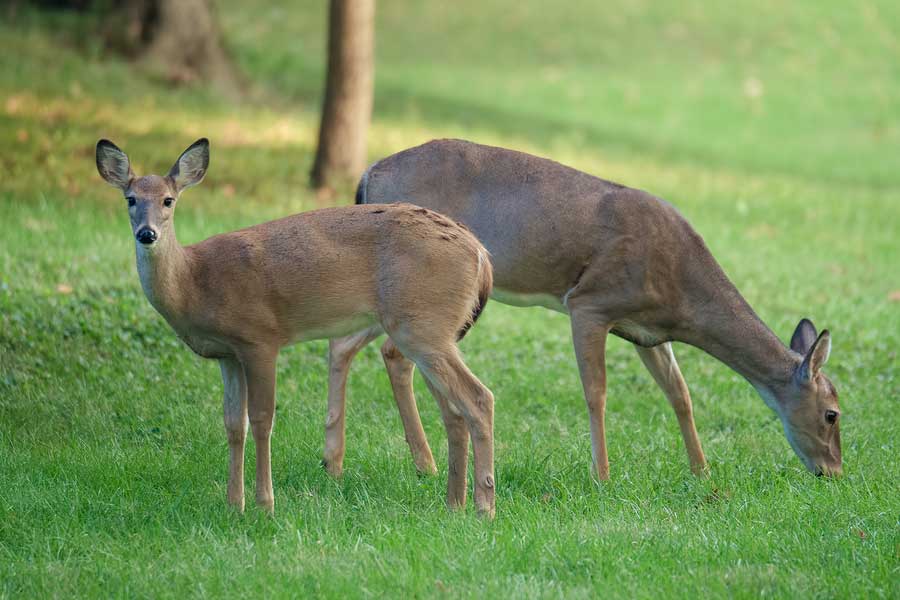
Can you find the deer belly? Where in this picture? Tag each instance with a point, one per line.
(207, 347)
(518, 299)
(641, 335)
(335, 329)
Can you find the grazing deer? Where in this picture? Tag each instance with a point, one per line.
(616, 260)
(239, 297)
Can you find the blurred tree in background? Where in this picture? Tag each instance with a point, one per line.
(349, 85)
(181, 41)
(179, 38)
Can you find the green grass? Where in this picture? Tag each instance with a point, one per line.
(113, 468)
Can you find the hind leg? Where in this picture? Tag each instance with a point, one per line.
(340, 354)
(457, 450)
(660, 361)
(468, 397)
(400, 371)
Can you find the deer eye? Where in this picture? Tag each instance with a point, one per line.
(831, 416)
(168, 201)
(131, 200)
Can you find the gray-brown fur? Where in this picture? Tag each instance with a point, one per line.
(618, 260)
(241, 296)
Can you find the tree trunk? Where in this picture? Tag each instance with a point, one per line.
(347, 110)
(187, 45)
(180, 39)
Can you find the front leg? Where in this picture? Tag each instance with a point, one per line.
(259, 369)
(235, 405)
(660, 361)
(589, 337)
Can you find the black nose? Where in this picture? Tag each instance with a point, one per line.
(146, 235)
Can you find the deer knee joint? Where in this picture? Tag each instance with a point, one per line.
(681, 404)
(597, 407)
(480, 431)
(236, 424)
(390, 353)
(261, 427)
(484, 401)
(337, 365)
(682, 408)
(332, 418)
(236, 436)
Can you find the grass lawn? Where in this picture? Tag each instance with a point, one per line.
(774, 128)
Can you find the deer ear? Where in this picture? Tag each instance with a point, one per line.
(804, 337)
(113, 165)
(816, 357)
(190, 168)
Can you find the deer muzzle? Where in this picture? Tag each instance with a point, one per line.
(146, 235)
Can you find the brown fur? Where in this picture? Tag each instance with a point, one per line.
(241, 296)
(616, 260)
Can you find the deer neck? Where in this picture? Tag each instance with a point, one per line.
(164, 273)
(725, 326)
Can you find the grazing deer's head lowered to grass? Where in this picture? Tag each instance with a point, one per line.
(239, 297)
(808, 403)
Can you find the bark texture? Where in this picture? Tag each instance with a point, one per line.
(188, 43)
(347, 109)
(180, 39)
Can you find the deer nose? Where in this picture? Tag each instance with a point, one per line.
(828, 471)
(146, 236)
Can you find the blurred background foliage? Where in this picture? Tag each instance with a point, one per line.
(762, 86)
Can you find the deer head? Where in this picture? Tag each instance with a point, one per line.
(151, 199)
(808, 403)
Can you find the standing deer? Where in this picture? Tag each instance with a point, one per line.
(616, 260)
(239, 297)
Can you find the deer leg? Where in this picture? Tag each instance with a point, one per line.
(660, 361)
(457, 450)
(589, 337)
(259, 368)
(340, 354)
(400, 371)
(470, 398)
(235, 409)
